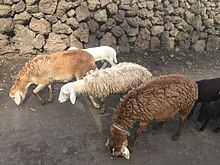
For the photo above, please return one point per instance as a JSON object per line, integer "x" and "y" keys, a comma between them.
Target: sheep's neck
{"x": 79, "y": 87}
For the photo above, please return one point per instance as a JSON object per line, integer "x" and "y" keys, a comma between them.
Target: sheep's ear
{"x": 18, "y": 98}
{"x": 72, "y": 96}
{"x": 125, "y": 152}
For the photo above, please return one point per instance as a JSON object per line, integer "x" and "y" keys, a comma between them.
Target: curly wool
{"x": 160, "y": 98}
{"x": 115, "y": 80}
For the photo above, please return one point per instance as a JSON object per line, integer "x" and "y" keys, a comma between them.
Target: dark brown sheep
{"x": 160, "y": 98}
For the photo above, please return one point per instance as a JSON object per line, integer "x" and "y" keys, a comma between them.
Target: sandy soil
{"x": 64, "y": 134}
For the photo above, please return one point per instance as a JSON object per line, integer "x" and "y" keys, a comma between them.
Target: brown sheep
{"x": 43, "y": 70}
{"x": 159, "y": 98}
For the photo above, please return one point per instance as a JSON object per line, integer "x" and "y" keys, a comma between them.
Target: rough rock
{"x": 123, "y": 44}
{"x": 92, "y": 42}
{"x": 5, "y": 45}
{"x": 142, "y": 41}
{"x": 157, "y": 30}
{"x": 82, "y": 12}
{"x": 108, "y": 39}
{"x": 54, "y": 43}
{"x": 48, "y": 6}
{"x": 18, "y": 7}
{"x": 61, "y": 28}
{"x": 100, "y": 16}
{"x": 82, "y": 33}
{"x": 39, "y": 41}
{"x": 6, "y": 25}
{"x": 5, "y": 10}
{"x": 22, "y": 18}
{"x": 213, "y": 43}
{"x": 41, "y": 26}
{"x": 199, "y": 45}
{"x": 23, "y": 39}
{"x": 75, "y": 42}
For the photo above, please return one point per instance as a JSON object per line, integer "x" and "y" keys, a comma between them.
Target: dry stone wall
{"x": 30, "y": 27}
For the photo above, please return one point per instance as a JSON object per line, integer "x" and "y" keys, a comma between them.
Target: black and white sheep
{"x": 159, "y": 98}
{"x": 209, "y": 111}
{"x": 209, "y": 90}
{"x": 118, "y": 79}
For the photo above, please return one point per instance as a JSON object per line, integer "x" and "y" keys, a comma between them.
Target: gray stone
{"x": 155, "y": 30}
{"x": 157, "y": 20}
{"x": 112, "y": 8}
{"x": 38, "y": 15}
{"x": 100, "y": 16}
{"x": 155, "y": 44}
{"x": 150, "y": 5}
{"x": 32, "y": 9}
{"x": 71, "y": 13}
{"x": 61, "y": 28}
{"x": 48, "y": 6}
{"x": 142, "y": 41}
{"x": 39, "y": 41}
{"x": 133, "y": 11}
{"x": 123, "y": 44}
{"x": 23, "y": 39}
{"x": 54, "y": 43}
{"x": 182, "y": 26}
{"x": 82, "y": 33}
{"x": 145, "y": 23}
{"x": 6, "y": 25}
{"x": 31, "y": 2}
{"x": 169, "y": 26}
{"x": 209, "y": 23}
{"x": 104, "y": 3}
{"x": 93, "y": 25}
{"x": 72, "y": 22}
{"x": 174, "y": 32}
{"x": 182, "y": 36}
{"x": 212, "y": 43}
{"x": 75, "y": 42}
{"x": 5, "y": 45}
{"x": 19, "y": 7}
{"x": 217, "y": 18}
{"x": 144, "y": 13}
{"x": 108, "y": 39}
{"x": 117, "y": 31}
{"x": 5, "y": 10}
{"x": 51, "y": 18}
{"x": 22, "y": 18}
{"x": 92, "y": 42}
{"x": 93, "y": 4}
{"x": 199, "y": 46}
{"x": 62, "y": 8}
{"x": 194, "y": 20}
{"x": 133, "y": 31}
{"x": 135, "y": 21}
{"x": 41, "y": 26}
{"x": 120, "y": 16}
{"x": 167, "y": 42}
{"x": 82, "y": 12}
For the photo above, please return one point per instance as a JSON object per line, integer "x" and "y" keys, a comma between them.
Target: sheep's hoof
{"x": 43, "y": 102}
{"x": 97, "y": 106}
{"x": 102, "y": 110}
{"x": 217, "y": 130}
{"x": 175, "y": 138}
{"x": 49, "y": 100}
{"x": 202, "y": 129}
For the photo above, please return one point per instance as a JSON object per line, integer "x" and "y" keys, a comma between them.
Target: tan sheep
{"x": 159, "y": 99}
{"x": 43, "y": 70}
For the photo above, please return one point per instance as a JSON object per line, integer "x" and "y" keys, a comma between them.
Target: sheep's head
{"x": 17, "y": 94}
{"x": 118, "y": 142}
{"x": 208, "y": 110}
{"x": 67, "y": 92}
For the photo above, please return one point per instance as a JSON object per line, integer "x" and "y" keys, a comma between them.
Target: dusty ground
{"x": 65, "y": 134}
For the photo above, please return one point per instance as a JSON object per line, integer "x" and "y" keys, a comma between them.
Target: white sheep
{"x": 43, "y": 70}
{"x": 101, "y": 83}
{"x": 102, "y": 53}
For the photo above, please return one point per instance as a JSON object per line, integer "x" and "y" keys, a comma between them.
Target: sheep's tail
{"x": 115, "y": 58}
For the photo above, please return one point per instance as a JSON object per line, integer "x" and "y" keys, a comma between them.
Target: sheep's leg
{"x": 95, "y": 104}
{"x": 182, "y": 120}
{"x": 192, "y": 111}
{"x": 205, "y": 124}
{"x": 217, "y": 129}
{"x": 159, "y": 125}
{"x": 37, "y": 90}
{"x": 138, "y": 133}
{"x": 102, "y": 108}
{"x": 50, "y": 94}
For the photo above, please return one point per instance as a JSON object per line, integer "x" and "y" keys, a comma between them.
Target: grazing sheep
{"x": 159, "y": 98}
{"x": 209, "y": 90}
{"x": 101, "y": 83}
{"x": 209, "y": 111}
{"x": 43, "y": 70}
{"x": 102, "y": 53}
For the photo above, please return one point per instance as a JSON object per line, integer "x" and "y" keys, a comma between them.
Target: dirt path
{"x": 64, "y": 134}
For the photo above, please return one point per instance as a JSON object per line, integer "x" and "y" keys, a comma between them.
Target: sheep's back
{"x": 208, "y": 89}
{"x": 117, "y": 79}
{"x": 159, "y": 98}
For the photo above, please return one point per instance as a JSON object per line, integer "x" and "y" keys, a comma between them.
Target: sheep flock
{"x": 143, "y": 96}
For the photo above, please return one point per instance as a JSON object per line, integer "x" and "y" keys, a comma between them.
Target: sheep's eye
{"x": 13, "y": 97}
